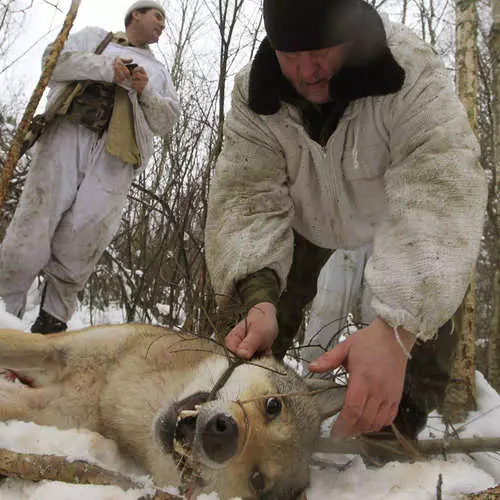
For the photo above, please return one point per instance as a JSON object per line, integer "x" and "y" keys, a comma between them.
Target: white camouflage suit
{"x": 400, "y": 172}
{"x": 75, "y": 191}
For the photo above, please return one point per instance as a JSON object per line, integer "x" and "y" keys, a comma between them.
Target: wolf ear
{"x": 328, "y": 396}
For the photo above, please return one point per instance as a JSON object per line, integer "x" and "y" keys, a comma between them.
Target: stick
{"x": 392, "y": 448}
{"x": 489, "y": 494}
{"x": 15, "y": 149}
{"x": 54, "y": 468}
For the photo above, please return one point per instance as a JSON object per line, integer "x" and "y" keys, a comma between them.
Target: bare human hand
{"x": 139, "y": 79}
{"x": 122, "y": 73}
{"x": 376, "y": 364}
{"x": 256, "y": 333}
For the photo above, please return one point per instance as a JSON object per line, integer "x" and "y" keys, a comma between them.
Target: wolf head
{"x": 255, "y": 440}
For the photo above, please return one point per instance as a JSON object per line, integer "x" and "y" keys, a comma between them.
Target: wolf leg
{"x": 18, "y": 402}
{"x": 41, "y": 359}
{"x": 34, "y": 358}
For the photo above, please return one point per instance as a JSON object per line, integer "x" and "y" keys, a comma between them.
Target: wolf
{"x": 180, "y": 405}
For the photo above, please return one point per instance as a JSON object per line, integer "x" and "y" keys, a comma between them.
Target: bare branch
{"x": 394, "y": 449}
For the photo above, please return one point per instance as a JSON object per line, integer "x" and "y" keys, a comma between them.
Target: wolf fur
{"x": 146, "y": 388}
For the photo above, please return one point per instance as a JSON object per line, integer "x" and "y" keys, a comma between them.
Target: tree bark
{"x": 494, "y": 344}
{"x": 54, "y": 468}
{"x": 17, "y": 143}
{"x": 461, "y": 392}
{"x": 460, "y": 395}
{"x": 489, "y": 494}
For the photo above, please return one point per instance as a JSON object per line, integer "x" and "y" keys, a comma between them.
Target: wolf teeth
{"x": 186, "y": 414}
{"x": 179, "y": 448}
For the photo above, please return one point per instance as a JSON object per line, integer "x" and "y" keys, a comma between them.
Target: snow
{"x": 342, "y": 478}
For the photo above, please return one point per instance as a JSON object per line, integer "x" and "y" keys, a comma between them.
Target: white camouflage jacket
{"x": 155, "y": 112}
{"x": 400, "y": 171}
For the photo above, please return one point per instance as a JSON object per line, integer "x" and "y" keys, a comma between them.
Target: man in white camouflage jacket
{"x": 345, "y": 131}
{"x": 85, "y": 162}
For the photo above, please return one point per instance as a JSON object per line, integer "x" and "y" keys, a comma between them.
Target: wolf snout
{"x": 219, "y": 438}
{"x": 172, "y": 430}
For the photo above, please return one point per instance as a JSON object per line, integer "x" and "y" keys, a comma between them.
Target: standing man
{"x": 346, "y": 131}
{"x": 85, "y": 162}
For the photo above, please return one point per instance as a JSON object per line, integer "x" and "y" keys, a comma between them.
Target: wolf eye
{"x": 257, "y": 481}
{"x": 273, "y": 407}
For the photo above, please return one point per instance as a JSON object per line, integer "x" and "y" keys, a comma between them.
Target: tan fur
{"x": 120, "y": 380}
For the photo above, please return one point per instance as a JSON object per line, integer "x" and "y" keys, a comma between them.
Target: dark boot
{"x": 410, "y": 420}
{"x": 379, "y": 448}
{"x": 429, "y": 371}
{"x": 46, "y": 323}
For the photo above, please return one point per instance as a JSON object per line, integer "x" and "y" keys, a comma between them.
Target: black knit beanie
{"x": 300, "y": 25}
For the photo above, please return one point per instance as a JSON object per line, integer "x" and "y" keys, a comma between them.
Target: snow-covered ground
{"x": 396, "y": 481}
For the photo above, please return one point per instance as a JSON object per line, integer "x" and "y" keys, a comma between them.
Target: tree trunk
{"x": 22, "y": 129}
{"x": 461, "y": 392}
{"x": 494, "y": 345}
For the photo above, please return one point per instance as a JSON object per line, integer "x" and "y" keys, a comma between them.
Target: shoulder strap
{"x": 40, "y": 122}
{"x": 100, "y": 48}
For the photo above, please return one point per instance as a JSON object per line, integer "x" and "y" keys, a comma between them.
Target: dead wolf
{"x": 151, "y": 390}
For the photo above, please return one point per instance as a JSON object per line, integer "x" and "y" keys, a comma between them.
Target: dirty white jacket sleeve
{"x": 250, "y": 211}
{"x": 159, "y": 101}
{"x": 160, "y": 109}
{"x": 77, "y": 60}
{"x": 436, "y": 192}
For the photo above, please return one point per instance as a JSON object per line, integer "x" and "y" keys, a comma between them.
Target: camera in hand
{"x": 131, "y": 67}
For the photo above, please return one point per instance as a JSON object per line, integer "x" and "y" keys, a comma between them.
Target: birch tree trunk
{"x": 461, "y": 392}
{"x": 494, "y": 344}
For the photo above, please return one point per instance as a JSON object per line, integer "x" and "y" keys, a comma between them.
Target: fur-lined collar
{"x": 370, "y": 70}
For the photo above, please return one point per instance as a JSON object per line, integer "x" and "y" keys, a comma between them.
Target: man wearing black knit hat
{"x": 345, "y": 131}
